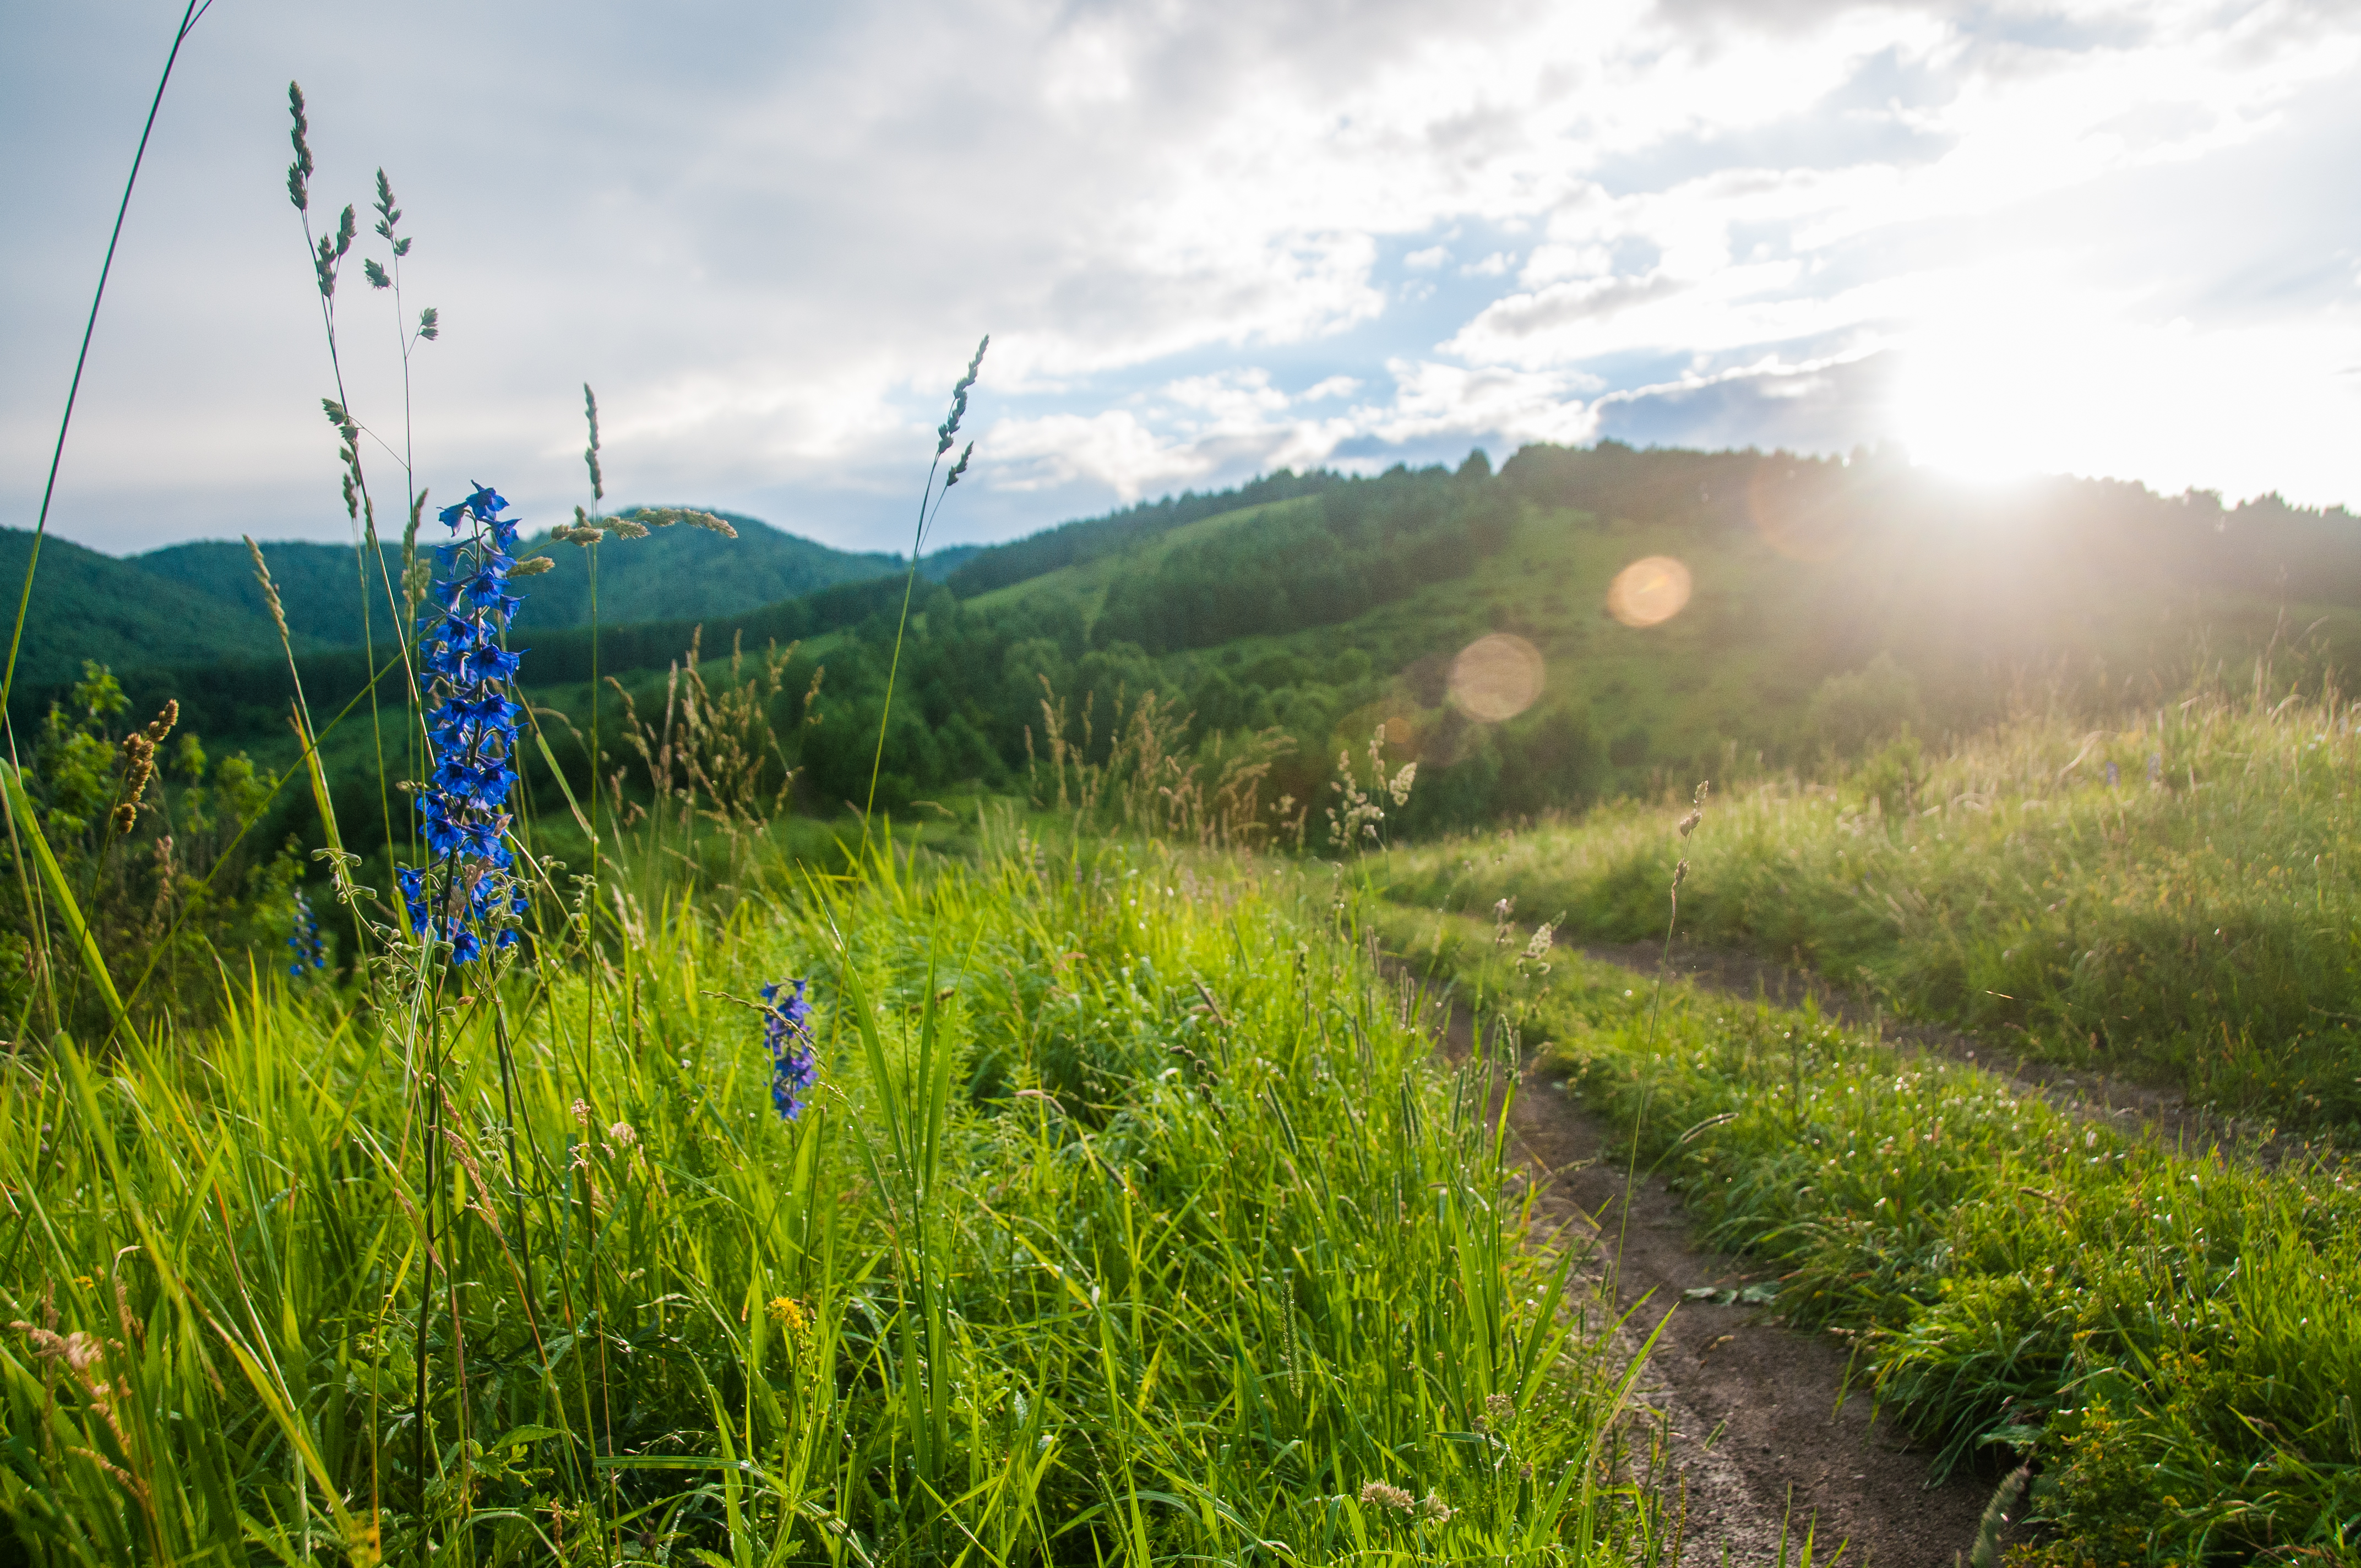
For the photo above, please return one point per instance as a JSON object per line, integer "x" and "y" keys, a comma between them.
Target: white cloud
{"x": 1433, "y": 399}
{"x": 1229, "y": 399}
{"x": 771, "y": 240}
{"x": 1112, "y": 448}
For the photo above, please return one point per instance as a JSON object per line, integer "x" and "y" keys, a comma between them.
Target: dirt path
{"x": 2079, "y": 1091}
{"x": 1763, "y": 1431}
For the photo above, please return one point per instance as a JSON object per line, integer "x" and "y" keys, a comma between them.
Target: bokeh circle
{"x": 1496, "y": 677}
{"x": 1649, "y": 592}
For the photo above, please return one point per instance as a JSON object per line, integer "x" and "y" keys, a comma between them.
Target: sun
{"x": 2014, "y": 371}
{"x": 1997, "y": 381}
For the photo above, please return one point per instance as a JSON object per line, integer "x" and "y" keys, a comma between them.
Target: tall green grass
{"x": 2177, "y": 897}
{"x": 2172, "y": 1337}
{"x": 1135, "y": 1221}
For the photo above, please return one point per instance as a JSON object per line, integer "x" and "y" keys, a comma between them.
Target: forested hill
{"x": 1091, "y": 539}
{"x": 86, "y": 606}
{"x": 673, "y": 573}
{"x": 1832, "y": 605}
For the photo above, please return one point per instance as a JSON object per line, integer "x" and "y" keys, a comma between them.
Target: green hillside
{"x": 319, "y": 584}
{"x": 1832, "y": 606}
{"x": 1089, "y": 539}
{"x": 89, "y": 606}
{"x": 680, "y": 572}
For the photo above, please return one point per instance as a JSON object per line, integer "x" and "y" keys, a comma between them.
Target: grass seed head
{"x": 269, "y": 588}
{"x": 664, "y": 517}
{"x": 299, "y": 174}
{"x": 590, "y": 452}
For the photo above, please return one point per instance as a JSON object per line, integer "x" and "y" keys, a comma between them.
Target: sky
{"x": 2107, "y": 238}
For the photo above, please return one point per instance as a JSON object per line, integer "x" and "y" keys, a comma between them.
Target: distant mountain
{"x": 676, "y": 574}
{"x": 89, "y": 606}
{"x": 319, "y": 584}
{"x": 687, "y": 573}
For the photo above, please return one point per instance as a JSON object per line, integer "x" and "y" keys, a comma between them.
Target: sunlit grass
{"x": 1132, "y": 1220}
{"x": 2174, "y": 897}
{"x": 2171, "y": 1334}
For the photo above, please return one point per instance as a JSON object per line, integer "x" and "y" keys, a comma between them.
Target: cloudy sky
{"x": 2113, "y": 238}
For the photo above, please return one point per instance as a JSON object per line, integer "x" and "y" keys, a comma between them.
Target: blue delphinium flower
{"x": 464, "y": 890}
{"x": 787, "y": 1034}
{"x": 309, "y": 947}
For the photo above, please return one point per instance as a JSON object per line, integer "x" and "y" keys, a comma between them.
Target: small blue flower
{"x": 309, "y": 947}
{"x": 483, "y": 506}
{"x": 787, "y": 1035}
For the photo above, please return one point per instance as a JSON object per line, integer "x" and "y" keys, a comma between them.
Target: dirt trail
{"x": 1763, "y": 1431}
{"x": 2164, "y": 1113}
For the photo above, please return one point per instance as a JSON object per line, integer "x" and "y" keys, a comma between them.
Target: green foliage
{"x": 1134, "y": 1220}
{"x": 1894, "y": 777}
{"x": 1855, "y": 711}
{"x": 2172, "y": 1336}
{"x": 1834, "y": 605}
{"x": 1366, "y": 542}
{"x": 160, "y": 856}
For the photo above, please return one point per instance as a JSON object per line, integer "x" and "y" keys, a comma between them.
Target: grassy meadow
{"x": 2169, "y": 1336}
{"x": 1131, "y": 1218}
{"x": 2175, "y": 897}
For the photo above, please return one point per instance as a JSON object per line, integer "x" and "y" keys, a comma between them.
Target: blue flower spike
{"x": 311, "y": 949}
{"x": 787, "y": 1035}
{"x": 466, "y": 894}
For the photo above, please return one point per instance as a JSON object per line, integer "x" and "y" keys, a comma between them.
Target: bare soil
{"x": 1768, "y": 1438}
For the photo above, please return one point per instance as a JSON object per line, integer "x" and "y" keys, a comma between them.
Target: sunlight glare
{"x": 2018, "y": 374}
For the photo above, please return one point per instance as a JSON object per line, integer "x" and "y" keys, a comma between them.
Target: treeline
{"x": 1359, "y": 545}
{"x": 1075, "y": 544}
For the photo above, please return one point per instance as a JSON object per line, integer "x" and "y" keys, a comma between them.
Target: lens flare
{"x": 1496, "y": 677}
{"x": 1649, "y": 592}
